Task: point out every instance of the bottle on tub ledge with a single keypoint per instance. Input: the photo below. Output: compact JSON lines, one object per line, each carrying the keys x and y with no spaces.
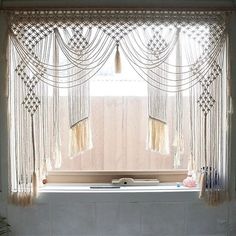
{"x":189,"y":181}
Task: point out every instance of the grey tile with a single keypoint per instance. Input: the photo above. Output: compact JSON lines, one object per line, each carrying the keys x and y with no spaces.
{"x":232,"y":233}
{"x":206,"y":220}
{"x":129,"y":219}
{"x":33,"y":220}
{"x":77,"y":234}
{"x":163,"y":219}
{"x":232,"y":218}
{"x":3,"y":208}
{"x":73,"y":219}
{"x":208,"y":234}
{"x":16,"y":234}
{"x":107,"y":219}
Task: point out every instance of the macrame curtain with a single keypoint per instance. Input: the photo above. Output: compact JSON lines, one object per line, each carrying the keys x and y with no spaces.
{"x":78,"y":100}
{"x":53,"y":52}
{"x":158,"y":137}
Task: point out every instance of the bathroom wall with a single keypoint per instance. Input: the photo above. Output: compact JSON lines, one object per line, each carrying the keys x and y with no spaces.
{"x":124,"y":214}
{"x":114,"y":214}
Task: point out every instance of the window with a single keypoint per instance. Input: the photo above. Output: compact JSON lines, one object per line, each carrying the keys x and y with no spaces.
{"x":119,"y":126}
{"x":167,"y":110}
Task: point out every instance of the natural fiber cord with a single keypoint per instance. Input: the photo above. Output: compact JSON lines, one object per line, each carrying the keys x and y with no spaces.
{"x":80,"y":138}
{"x":117,"y":60}
{"x":68,"y":48}
{"x":158,"y":140}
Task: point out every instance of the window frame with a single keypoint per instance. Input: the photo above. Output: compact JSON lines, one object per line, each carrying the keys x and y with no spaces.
{"x":89,"y":177}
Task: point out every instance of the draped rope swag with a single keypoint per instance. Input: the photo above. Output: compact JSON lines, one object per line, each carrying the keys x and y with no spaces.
{"x":53,"y":52}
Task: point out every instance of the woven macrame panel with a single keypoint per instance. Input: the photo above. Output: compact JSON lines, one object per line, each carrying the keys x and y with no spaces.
{"x":174,"y":52}
{"x":153,"y":33}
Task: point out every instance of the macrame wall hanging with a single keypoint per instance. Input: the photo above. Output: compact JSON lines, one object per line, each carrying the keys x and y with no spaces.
{"x":54,"y":52}
{"x":78,"y":99}
{"x":158,"y":136}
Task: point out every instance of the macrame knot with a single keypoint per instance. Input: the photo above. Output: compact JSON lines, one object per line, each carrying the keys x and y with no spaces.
{"x":117,"y":60}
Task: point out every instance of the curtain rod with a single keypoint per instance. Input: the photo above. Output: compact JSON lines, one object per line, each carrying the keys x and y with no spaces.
{"x":210,"y":9}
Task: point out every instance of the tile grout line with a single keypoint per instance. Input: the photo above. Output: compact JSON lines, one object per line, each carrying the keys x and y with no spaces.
{"x":185,"y":218}
{"x":50,"y":218}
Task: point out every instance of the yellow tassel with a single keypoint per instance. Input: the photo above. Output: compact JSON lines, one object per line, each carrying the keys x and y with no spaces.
{"x":117,"y":60}
{"x":34,"y":183}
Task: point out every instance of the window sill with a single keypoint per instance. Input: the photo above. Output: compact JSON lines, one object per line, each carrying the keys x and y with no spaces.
{"x":108,"y":188}
{"x":82,"y":193}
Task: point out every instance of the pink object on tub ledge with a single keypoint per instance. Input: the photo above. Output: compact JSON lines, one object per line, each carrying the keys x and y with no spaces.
{"x":189,"y":182}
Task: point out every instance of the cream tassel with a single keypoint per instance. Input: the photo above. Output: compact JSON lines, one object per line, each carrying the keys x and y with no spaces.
{"x":158,"y":140}
{"x":80,"y":137}
{"x":23,"y":199}
{"x":34,"y":176}
{"x":34,"y":184}
{"x":117,"y":60}
{"x":202,"y":183}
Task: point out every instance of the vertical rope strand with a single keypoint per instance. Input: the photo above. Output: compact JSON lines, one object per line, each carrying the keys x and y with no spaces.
{"x":34,"y":176}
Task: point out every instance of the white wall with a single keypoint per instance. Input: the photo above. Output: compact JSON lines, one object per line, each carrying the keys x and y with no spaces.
{"x":140,"y":214}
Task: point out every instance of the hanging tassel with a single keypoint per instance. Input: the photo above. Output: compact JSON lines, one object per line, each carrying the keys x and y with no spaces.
{"x":214,"y":198}
{"x":202,"y":184}
{"x":117,"y":60}
{"x":34,"y":184}
{"x":22,"y":199}
{"x":179,"y":142}
{"x":34,"y":176}
{"x":80,"y":138}
{"x":57,"y":152}
{"x":158,"y":140}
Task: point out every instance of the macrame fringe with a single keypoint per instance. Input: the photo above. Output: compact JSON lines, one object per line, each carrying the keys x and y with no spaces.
{"x":80,"y":137}
{"x":202,"y":184}
{"x":34,"y":185}
{"x":158,"y":140}
{"x":57,"y":158}
{"x":117,"y":60}
{"x":212,"y":196}
{"x":23,"y":199}
{"x":179,"y":142}
{"x":179,"y":145}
